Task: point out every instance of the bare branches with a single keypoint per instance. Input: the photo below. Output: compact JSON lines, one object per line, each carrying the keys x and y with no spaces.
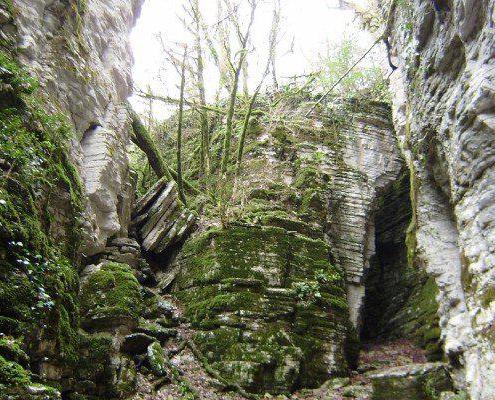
{"x":273,"y":39}
{"x":172,"y":100}
{"x":342,"y":77}
{"x":244,"y":38}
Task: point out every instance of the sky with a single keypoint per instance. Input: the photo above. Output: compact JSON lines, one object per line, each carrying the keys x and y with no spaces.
{"x":308,"y":29}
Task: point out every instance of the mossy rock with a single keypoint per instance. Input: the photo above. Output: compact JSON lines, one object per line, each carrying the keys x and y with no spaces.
{"x":126,"y":377}
{"x":40,"y":205}
{"x":270,"y":310}
{"x":111,"y":297}
{"x":11,"y":349}
{"x":414,"y":382}
{"x":16,"y":384}
{"x":156,"y":359}
{"x":13,"y":374}
{"x":102,"y":372}
{"x":96,"y":352}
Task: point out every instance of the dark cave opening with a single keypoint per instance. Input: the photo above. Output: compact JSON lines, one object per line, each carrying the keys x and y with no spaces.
{"x":389,"y":281}
{"x":400,"y":298}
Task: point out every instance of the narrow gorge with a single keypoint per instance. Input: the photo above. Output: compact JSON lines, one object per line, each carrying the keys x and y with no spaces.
{"x":350,"y":255}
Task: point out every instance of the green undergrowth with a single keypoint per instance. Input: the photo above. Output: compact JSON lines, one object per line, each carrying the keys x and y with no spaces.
{"x":38,"y":277}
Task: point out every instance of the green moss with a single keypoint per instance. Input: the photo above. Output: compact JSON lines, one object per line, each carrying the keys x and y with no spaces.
{"x":488,"y":296}
{"x":307,"y":177}
{"x":156,"y":358}
{"x":127,"y":378}
{"x":11,"y":349}
{"x":243,"y":274}
{"x":8,"y":5}
{"x":96,"y":352}
{"x":13,"y":374}
{"x":111,"y":296}
{"x":37,"y":281}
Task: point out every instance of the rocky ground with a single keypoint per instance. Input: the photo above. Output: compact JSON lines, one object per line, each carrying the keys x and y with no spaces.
{"x":193,"y":382}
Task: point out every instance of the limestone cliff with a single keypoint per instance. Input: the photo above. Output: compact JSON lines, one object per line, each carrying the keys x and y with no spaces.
{"x":444,"y":117}
{"x":275,"y":298}
{"x":79,"y":52}
{"x":359,"y":223}
{"x":65,"y":186}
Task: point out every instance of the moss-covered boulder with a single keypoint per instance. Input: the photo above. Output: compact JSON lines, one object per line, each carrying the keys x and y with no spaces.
{"x":110,"y":297}
{"x":156,"y":359}
{"x":16,"y":384}
{"x":413,"y":382}
{"x":269,"y":308}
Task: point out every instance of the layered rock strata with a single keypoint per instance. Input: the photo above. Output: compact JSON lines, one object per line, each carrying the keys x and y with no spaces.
{"x":400,"y":299}
{"x":65,"y":189}
{"x":444,"y":117}
{"x":79,"y":52}
{"x":160,"y":220}
{"x":275,"y":297}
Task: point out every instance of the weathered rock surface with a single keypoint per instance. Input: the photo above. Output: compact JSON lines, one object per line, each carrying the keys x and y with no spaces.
{"x":367,"y":163}
{"x":412,"y":382}
{"x":444,"y":102}
{"x":110,"y":297}
{"x":160,"y":219}
{"x":80,"y":53}
{"x":266,"y":295}
{"x":269,"y":309}
{"x":400,"y":299}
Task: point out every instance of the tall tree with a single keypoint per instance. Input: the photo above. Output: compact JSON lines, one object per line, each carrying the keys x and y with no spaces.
{"x":272,"y":44}
{"x":196,"y":29}
{"x":273,"y":41}
{"x":180,"y":182}
{"x":236,"y":72}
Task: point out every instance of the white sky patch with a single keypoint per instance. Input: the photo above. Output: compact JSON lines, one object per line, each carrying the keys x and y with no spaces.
{"x":308,"y":29}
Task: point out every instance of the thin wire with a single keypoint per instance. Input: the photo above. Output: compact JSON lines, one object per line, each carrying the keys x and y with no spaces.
{"x":342,"y":77}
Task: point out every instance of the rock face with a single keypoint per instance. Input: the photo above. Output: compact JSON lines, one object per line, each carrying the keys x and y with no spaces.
{"x":444,"y":116}
{"x":269,"y":309}
{"x":267,"y":295}
{"x":65,"y":72}
{"x":79,"y":52}
{"x":366,"y":162}
{"x":400,"y":300}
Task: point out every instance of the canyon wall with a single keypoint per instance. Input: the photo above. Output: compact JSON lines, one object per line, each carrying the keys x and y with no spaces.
{"x":65,"y":189}
{"x":275,"y":298}
{"x":444,"y":104}
{"x":80,"y":53}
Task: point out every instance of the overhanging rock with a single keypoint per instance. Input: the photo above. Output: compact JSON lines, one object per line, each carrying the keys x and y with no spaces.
{"x":160,"y":220}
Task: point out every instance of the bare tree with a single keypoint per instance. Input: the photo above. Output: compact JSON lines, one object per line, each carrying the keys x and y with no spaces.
{"x":196,"y":28}
{"x":270,"y":64}
{"x":236,"y":71}
{"x":180,"y":182}
{"x":273,"y":41}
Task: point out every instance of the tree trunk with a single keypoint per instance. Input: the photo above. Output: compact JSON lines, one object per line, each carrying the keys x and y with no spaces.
{"x":145,"y":142}
{"x":180,"y":183}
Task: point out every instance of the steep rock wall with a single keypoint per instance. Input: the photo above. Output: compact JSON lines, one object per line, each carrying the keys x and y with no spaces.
{"x":79,"y":52}
{"x":400,"y":298}
{"x":444,"y":102}
{"x":367,"y":162}
{"x":65,"y":72}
